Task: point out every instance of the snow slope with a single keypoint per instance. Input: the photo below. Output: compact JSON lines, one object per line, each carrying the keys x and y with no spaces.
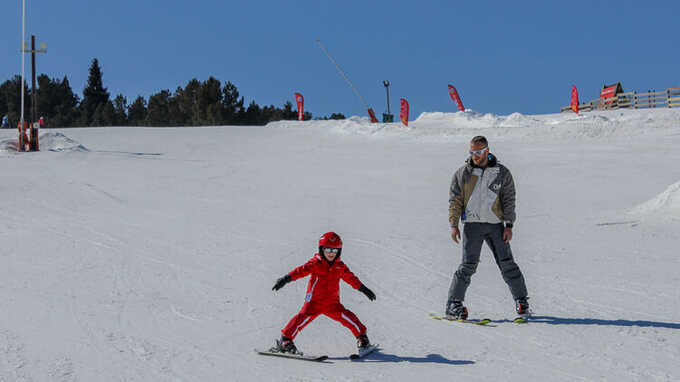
{"x":142,"y":254}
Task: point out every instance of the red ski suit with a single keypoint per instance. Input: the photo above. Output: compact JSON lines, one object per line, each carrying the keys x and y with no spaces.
{"x":323,"y":295}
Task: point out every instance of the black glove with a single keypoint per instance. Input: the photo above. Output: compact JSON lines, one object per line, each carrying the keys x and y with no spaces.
{"x":281,"y":282}
{"x":369,"y":293}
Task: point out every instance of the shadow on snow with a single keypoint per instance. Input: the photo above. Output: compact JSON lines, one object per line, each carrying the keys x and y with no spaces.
{"x":594,"y":321}
{"x":379,"y":356}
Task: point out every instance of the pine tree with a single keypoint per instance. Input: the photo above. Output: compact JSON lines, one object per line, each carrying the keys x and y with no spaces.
{"x":232,"y":105}
{"x":95,"y":95}
{"x":11,"y":90}
{"x":178,"y":116}
{"x":107,"y":114}
{"x":120,"y":106}
{"x":188,"y":103}
{"x":159,"y":109}
{"x":251,"y":115}
{"x":66,"y":106}
{"x":210,"y":102}
{"x":288,"y":113}
{"x":137,"y":112}
{"x":46,"y":96}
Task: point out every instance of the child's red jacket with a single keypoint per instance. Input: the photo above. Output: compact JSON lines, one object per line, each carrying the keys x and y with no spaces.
{"x":324,"y":283}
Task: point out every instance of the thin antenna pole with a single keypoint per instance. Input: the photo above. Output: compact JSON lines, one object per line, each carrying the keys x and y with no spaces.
{"x":23,"y":39}
{"x":341,"y":72}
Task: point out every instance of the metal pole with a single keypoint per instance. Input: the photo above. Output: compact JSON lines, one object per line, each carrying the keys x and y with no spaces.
{"x":34,"y":107}
{"x":23,"y":39}
{"x":387,"y":88}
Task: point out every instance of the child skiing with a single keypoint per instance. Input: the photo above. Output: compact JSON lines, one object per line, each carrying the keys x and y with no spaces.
{"x":323,"y":294}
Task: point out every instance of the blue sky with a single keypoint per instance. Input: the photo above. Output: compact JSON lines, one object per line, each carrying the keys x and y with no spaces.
{"x":503,"y":57}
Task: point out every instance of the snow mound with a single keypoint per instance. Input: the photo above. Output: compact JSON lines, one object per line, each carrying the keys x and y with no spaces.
{"x":439,"y":126}
{"x":8,"y":145}
{"x":666,"y":203}
{"x":59,"y":142}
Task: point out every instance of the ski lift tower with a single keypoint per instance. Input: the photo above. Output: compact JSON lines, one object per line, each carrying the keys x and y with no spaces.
{"x":387,"y":117}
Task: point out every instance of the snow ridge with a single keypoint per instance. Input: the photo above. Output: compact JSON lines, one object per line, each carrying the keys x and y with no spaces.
{"x":438,"y":126}
{"x":666,"y":204}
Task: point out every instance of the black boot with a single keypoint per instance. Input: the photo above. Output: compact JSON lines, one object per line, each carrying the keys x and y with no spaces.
{"x":363,"y":342}
{"x":522,"y":306}
{"x":457,"y":311}
{"x":285,"y":345}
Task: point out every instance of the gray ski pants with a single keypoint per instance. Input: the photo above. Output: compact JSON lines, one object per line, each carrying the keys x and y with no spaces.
{"x":474,"y":234}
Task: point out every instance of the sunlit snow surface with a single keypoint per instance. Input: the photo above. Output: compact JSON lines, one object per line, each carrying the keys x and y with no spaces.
{"x":148,"y":254}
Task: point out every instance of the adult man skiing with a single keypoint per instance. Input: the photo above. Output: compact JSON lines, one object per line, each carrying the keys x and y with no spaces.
{"x":482,"y":195}
{"x":323,"y":294}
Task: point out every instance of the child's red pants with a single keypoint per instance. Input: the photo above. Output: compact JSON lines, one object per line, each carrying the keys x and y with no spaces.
{"x":336,"y":311}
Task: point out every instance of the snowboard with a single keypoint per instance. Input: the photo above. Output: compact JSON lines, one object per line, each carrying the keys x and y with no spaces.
{"x":482,"y":322}
{"x":364,"y":352}
{"x":302,"y":357}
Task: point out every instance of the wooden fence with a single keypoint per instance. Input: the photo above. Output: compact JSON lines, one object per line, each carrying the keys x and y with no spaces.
{"x":632,"y":100}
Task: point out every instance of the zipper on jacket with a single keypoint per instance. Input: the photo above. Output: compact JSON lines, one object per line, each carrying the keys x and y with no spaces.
{"x":480,"y":199}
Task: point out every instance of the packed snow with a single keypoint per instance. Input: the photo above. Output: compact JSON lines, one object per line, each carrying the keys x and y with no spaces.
{"x":149,"y":254}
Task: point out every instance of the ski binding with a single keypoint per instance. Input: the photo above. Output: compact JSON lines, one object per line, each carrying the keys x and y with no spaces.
{"x":364,"y":352}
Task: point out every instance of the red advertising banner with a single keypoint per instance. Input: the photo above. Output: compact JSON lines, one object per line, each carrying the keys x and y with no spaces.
{"x":372,"y":115}
{"x":574,"y":99}
{"x":300,"y":105}
{"x":608,"y":92}
{"x":404,"y":112}
{"x":455,"y":97}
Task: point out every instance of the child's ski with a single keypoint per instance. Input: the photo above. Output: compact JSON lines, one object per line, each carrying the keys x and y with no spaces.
{"x":482,"y":322}
{"x":364,"y":352}
{"x":303,"y":357}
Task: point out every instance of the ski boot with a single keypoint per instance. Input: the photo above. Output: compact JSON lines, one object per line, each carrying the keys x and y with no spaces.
{"x":285,"y":345}
{"x":363,"y":342}
{"x":522,"y":306}
{"x":456,"y":311}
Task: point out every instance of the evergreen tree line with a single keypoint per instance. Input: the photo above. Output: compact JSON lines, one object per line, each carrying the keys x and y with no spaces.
{"x":206,"y":103}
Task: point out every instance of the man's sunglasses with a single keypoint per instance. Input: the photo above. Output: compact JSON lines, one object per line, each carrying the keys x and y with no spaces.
{"x":331,"y":250}
{"x":479,"y":152}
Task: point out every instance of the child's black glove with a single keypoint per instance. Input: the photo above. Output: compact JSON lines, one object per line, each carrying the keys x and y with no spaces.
{"x":281,"y":282}
{"x":369,"y":293}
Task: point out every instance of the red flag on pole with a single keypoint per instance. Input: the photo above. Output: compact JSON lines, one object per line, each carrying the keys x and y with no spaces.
{"x":574,"y":99}
{"x":454,"y":96}
{"x":372,"y":115}
{"x":404,"y":112}
{"x":300,"y":105}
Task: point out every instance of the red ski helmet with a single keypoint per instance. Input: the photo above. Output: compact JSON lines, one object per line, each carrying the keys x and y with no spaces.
{"x":330,"y":240}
